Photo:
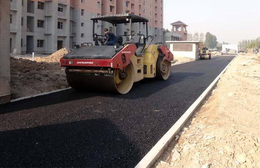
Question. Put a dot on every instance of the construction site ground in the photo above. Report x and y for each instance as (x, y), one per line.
(225, 131)
(42, 74)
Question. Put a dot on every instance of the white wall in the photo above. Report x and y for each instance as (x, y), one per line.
(229, 47)
(194, 54)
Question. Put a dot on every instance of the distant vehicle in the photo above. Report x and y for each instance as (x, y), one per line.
(204, 52)
(241, 51)
(256, 51)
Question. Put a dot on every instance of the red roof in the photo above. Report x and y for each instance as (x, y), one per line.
(178, 23)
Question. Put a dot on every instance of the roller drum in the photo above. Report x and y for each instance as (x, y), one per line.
(103, 82)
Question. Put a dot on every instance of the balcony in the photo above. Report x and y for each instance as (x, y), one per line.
(65, 2)
(62, 15)
(14, 6)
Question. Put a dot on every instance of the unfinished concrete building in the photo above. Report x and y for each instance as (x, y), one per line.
(44, 26)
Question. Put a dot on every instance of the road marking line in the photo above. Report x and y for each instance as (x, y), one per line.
(37, 95)
(154, 154)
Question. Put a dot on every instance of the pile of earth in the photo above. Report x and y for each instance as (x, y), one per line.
(35, 77)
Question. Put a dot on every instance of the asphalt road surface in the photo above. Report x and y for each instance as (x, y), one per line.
(80, 129)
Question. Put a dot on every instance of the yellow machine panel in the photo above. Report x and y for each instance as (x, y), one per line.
(150, 59)
(138, 68)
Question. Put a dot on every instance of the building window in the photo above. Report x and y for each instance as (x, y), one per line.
(40, 23)
(82, 24)
(82, 34)
(40, 43)
(60, 25)
(11, 18)
(98, 4)
(82, 12)
(82, 1)
(111, 8)
(41, 5)
(60, 8)
(21, 21)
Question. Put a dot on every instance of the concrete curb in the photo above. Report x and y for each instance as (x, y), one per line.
(42, 94)
(153, 155)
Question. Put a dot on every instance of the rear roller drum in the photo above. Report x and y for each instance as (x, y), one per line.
(163, 68)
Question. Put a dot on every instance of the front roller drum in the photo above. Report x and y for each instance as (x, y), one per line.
(117, 82)
(163, 68)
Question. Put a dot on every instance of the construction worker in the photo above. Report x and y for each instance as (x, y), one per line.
(110, 37)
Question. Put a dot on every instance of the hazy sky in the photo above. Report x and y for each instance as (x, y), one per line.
(230, 20)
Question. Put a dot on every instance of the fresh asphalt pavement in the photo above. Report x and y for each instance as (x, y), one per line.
(81, 129)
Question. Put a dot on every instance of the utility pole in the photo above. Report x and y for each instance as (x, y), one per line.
(4, 51)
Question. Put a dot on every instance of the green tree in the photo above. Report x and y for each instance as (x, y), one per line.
(211, 40)
(202, 37)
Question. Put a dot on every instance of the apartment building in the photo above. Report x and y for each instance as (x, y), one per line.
(151, 9)
(44, 26)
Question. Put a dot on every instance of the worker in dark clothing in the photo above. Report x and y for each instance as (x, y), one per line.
(110, 37)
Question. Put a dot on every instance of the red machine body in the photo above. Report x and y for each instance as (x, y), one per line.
(119, 61)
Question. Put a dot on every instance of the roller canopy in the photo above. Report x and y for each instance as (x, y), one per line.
(96, 52)
(121, 18)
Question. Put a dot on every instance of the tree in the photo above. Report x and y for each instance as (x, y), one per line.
(167, 30)
(258, 42)
(202, 37)
(196, 36)
(211, 41)
(190, 37)
(249, 44)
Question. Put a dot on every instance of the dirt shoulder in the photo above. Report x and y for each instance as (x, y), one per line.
(226, 130)
(181, 60)
(34, 77)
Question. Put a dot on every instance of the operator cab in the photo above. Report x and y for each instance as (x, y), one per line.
(129, 37)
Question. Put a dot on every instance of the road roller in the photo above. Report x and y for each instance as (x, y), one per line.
(204, 51)
(115, 68)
